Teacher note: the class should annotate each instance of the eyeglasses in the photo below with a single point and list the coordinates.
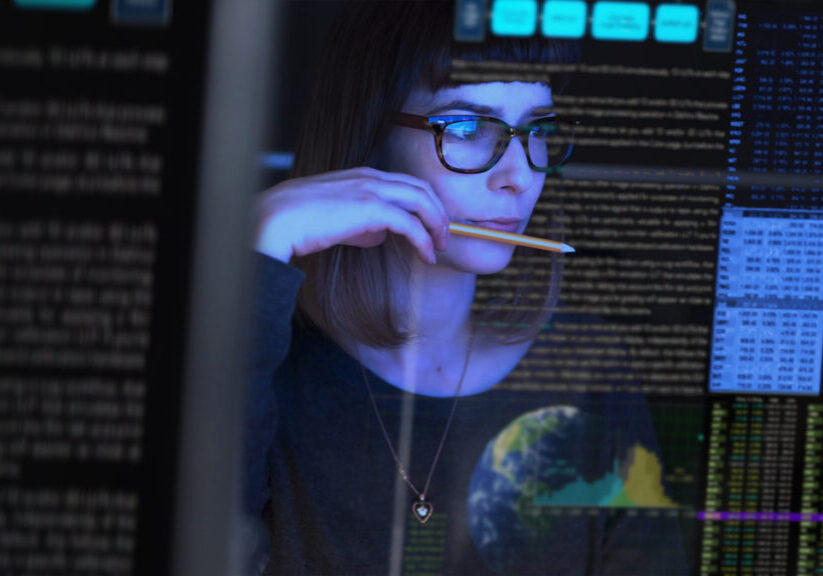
(473, 144)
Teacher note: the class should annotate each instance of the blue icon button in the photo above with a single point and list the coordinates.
(676, 23)
(719, 26)
(627, 21)
(56, 4)
(564, 18)
(470, 21)
(514, 17)
(148, 12)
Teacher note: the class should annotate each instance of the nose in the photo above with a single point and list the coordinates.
(512, 172)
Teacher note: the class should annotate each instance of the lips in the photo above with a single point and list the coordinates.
(511, 225)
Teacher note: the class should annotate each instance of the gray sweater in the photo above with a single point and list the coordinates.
(515, 491)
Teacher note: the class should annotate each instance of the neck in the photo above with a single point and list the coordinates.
(437, 302)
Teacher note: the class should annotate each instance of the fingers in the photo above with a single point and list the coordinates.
(410, 193)
(356, 207)
(373, 178)
(414, 182)
(412, 200)
(399, 221)
(443, 235)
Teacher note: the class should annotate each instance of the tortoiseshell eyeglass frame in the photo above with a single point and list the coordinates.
(437, 126)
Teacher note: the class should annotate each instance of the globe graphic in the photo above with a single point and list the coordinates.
(532, 475)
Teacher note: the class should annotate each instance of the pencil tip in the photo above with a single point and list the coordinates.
(567, 249)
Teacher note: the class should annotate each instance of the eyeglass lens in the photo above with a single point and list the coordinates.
(477, 143)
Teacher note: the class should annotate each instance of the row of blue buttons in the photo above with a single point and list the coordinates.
(626, 21)
(610, 20)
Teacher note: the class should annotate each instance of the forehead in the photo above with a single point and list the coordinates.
(507, 100)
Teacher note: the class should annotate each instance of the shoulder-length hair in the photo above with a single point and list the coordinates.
(376, 53)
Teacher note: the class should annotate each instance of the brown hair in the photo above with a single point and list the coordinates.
(376, 53)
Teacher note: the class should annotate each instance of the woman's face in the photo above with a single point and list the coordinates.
(502, 197)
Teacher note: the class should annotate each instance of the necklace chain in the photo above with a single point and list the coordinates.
(400, 470)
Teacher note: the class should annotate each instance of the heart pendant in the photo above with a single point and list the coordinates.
(422, 510)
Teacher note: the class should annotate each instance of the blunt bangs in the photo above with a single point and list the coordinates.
(428, 50)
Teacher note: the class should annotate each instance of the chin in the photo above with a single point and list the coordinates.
(477, 256)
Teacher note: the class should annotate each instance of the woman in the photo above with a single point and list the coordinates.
(377, 414)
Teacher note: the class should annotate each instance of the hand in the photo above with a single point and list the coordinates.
(355, 207)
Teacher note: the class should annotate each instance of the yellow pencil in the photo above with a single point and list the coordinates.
(508, 238)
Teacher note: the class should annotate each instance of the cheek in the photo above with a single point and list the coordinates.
(410, 152)
(534, 195)
(416, 155)
(461, 194)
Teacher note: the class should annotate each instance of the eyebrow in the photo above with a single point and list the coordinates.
(479, 109)
(464, 105)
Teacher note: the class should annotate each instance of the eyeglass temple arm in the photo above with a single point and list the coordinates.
(410, 120)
